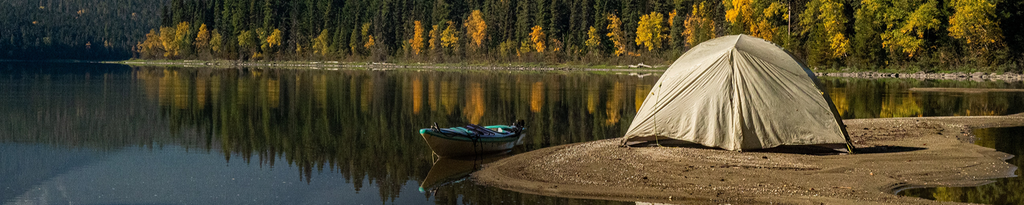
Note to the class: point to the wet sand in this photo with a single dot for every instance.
(892, 154)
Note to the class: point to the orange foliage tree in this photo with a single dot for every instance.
(202, 38)
(416, 43)
(699, 25)
(615, 34)
(538, 37)
(476, 28)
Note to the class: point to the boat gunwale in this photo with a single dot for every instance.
(510, 138)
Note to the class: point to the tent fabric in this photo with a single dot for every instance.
(738, 93)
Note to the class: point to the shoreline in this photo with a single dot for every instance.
(393, 66)
(638, 68)
(975, 76)
(894, 154)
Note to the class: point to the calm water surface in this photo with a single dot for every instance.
(113, 134)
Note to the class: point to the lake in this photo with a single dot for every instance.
(114, 134)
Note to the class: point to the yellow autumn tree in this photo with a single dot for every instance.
(615, 34)
(593, 39)
(767, 25)
(216, 41)
(202, 38)
(699, 25)
(151, 46)
(182, 38)
(973, 21)
(476, 28)
(524, 47)
(416, 43)
(449, 39)
(167, 41)
(906, 23)
(366, 35)
(671, 17)
(246, 41)
(834, 23)
(274, 39)
(434, 41)
(261, 41)
(649, 29)
(538, 37)
(738, 13)
(320, 43)
(369, 42)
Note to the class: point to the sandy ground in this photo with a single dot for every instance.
(892, 154)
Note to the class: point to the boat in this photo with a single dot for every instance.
(473, 139)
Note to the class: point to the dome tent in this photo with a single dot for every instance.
(738, 93)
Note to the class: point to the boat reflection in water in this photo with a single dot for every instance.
(453, 170)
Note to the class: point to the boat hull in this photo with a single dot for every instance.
(455, 146)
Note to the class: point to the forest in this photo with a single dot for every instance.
(896, 35)
(67, 29)
(921, 35)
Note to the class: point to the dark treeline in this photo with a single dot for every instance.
(869, 34)
(65, 29)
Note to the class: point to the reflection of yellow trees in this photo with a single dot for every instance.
(201, 91)
(163, 94)
(474, 109)
(839, 99)
(151, 83)
(173, 90)
(642, 90)
(417, 94)
(366, 94)
(900, 106)
(948, 193)
(536, 97)
(592, 98)
(180, 93)
(448, 93)
(984, 105)
(320, 90)
(215, 89)
(986, 137)
(614, 104)
(432, 95)
(273, 92)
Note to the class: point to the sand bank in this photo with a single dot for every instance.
(892, 154)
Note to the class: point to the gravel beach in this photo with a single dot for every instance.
(892, 154)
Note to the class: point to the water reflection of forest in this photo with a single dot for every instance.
(884, 98)
(1002, 191)
(363, 123)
